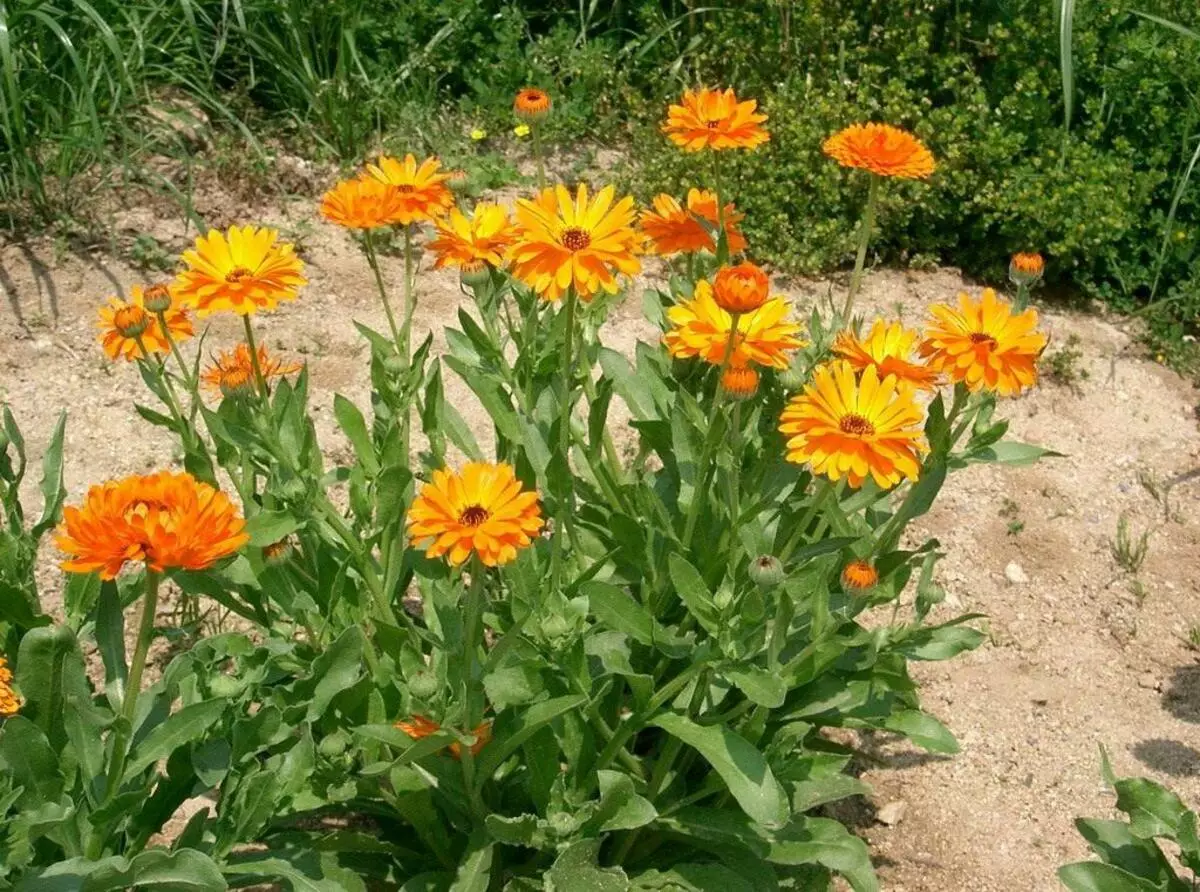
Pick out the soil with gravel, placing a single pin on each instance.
(1081, 653)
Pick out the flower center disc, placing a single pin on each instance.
(474, 515)
(856, 425)
(238, 274)
(712, 125)
(575, 239)
(979, 337)
(405, 188)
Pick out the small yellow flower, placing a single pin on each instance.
(478, 133)
(521, 131)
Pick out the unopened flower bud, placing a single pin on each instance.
(157, 298)
(131, 321)
(1026, 269)
(476, 274)
(423, 685)
(792, 378)
(238, 383)
(278, 553)
(739, 383)
(858, 576)
(740, 289)
(394, 365)
(766, 571)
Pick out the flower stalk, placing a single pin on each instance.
(864, 238)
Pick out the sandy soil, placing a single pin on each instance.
(1080, 653)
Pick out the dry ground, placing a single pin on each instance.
(1080, 653)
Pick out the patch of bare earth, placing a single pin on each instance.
(1080, 653)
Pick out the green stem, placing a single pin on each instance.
(409, 298)
(129, 702)
(373, 261)
(258, 372)
(472, 693)
(566, 505)
(818, 502)
(1022, 299)
(191, 382)
(864, 237)
(535, 132)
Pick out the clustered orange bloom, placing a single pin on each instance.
(363, 203)
(742, 288)
(531, 103)
(700, 328)
(845, 426)
(231, 373)
(476, 242)
(481, 510)
(672, 229)
(582, 242)
(10, 703)
(421, 191)
(884, 150)
(888, 348)
(164, 520)
(420, 726)
(715, 119)
(123, 323)
(858, 576)
(243, 270)
(984, 345)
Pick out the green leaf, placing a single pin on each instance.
(694, 593)
(941, 642)
(743, 768)
(760, 686)
(110, 638)
(268, 527)
(1092, 876)
(518, 831)
(511, 735)
(354, 426)
(188, 725)
(617, 609)
(923, 730)
(53, 491)
(26, 757)
(49, 668)
(1012, 453)
(1153, 809)
(694, 878)
(635, 393)
(621, 808)
(828, 843)
(335, 670)
(576, 870)
(475, 871)
(1114, 842)
(512, 686)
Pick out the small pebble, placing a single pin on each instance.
(1015, 574)
(892, 813)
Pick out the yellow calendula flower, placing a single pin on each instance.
(700, 328)
(843, 426)
(478, 133)
(521, 131)
(480, 239)
(889, 349)
(242, 270)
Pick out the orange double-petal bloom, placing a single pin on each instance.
(421, 190)
(700, 328)
(119, 319)
(482, 510)
(984, 345)
(670, 228)
(243, 270)
(166, 521)
(232, 371)
(419, 726)
(715, 119)
(470, 243)
(10, 703)
(889, 349)
(363, 203)
(843, 426)
(882, 149)
(579, 242)
(742, 288)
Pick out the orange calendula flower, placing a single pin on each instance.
(470, 242)
(742, 288)
(363, 203)
(715, 119)
(423, 193)
(167, 521)
(740, 382)
(581, 242)
(701, 328)
(10, 703)
(243, 270)
(531, 103)
(858, 576)
(672, 229)
(481, 510)
(882, 149)
(123, 322)
(419, 726)
(845, 427)
(888, 348)
(231, 373)
(1025, 269)
(984, 345)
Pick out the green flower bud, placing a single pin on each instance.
(766, 571)
(423, 685)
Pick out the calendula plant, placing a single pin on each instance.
(562, 653)
(1131, 857)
